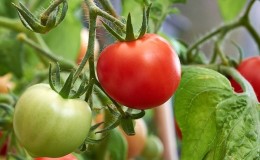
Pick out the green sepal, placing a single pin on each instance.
(95, 141)
(240, 51)
(29, 21)
(51, 82)
(113, 112)
(94, 127)
(46, 22)
(112, 32)
(110, 127)
(138, 115)
(145, 21)
(127, 125)
(51, 21)
(82, 89)
(89, 89)
(129, 29)
(57, 76)
(65, 91)
(63, 12)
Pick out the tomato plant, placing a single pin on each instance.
(47, 125)
(67, 157)
(247, 68)
(146, 70)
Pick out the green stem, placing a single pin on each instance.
(225, 28)
(253, 33)
(246, 86)
(108, 7)
(91, 44)
(119, 108)
(13, 24)
(63, 63)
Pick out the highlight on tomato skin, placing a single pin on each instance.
(140, 74)
(248, 68)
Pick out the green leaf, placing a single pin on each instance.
(65, 38)
(230, 9)
(11, 54)
(117, 145)
(216, 123)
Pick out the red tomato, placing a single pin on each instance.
(67, 157)
(249, 68)
(139, 74)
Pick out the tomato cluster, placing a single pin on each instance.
(140, 74)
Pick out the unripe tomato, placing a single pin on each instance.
(249, 68)
(139, 74)
(84, 45)
(153, 148)
(136, 142)
(67, 157)
(48, 125)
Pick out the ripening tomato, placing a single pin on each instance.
(249, 69)
(139, 74)
(136, 143)
(48, 125)
(84, 45)
(67, 157)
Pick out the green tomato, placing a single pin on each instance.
(48, 125)
(153, 148)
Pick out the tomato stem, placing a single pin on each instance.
(243, 21)
(246, 86)
(46, 53)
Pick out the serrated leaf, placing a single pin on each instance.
(216, 123)
(230, 9)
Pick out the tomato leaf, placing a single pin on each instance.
(230, 9)
(210, 115)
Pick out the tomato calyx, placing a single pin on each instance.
(66, 90)
(125, 121)
(129, 33)
(49, 19)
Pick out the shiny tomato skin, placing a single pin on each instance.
(249, 68)
(139, 74)
(67, 157)
(48, 125)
